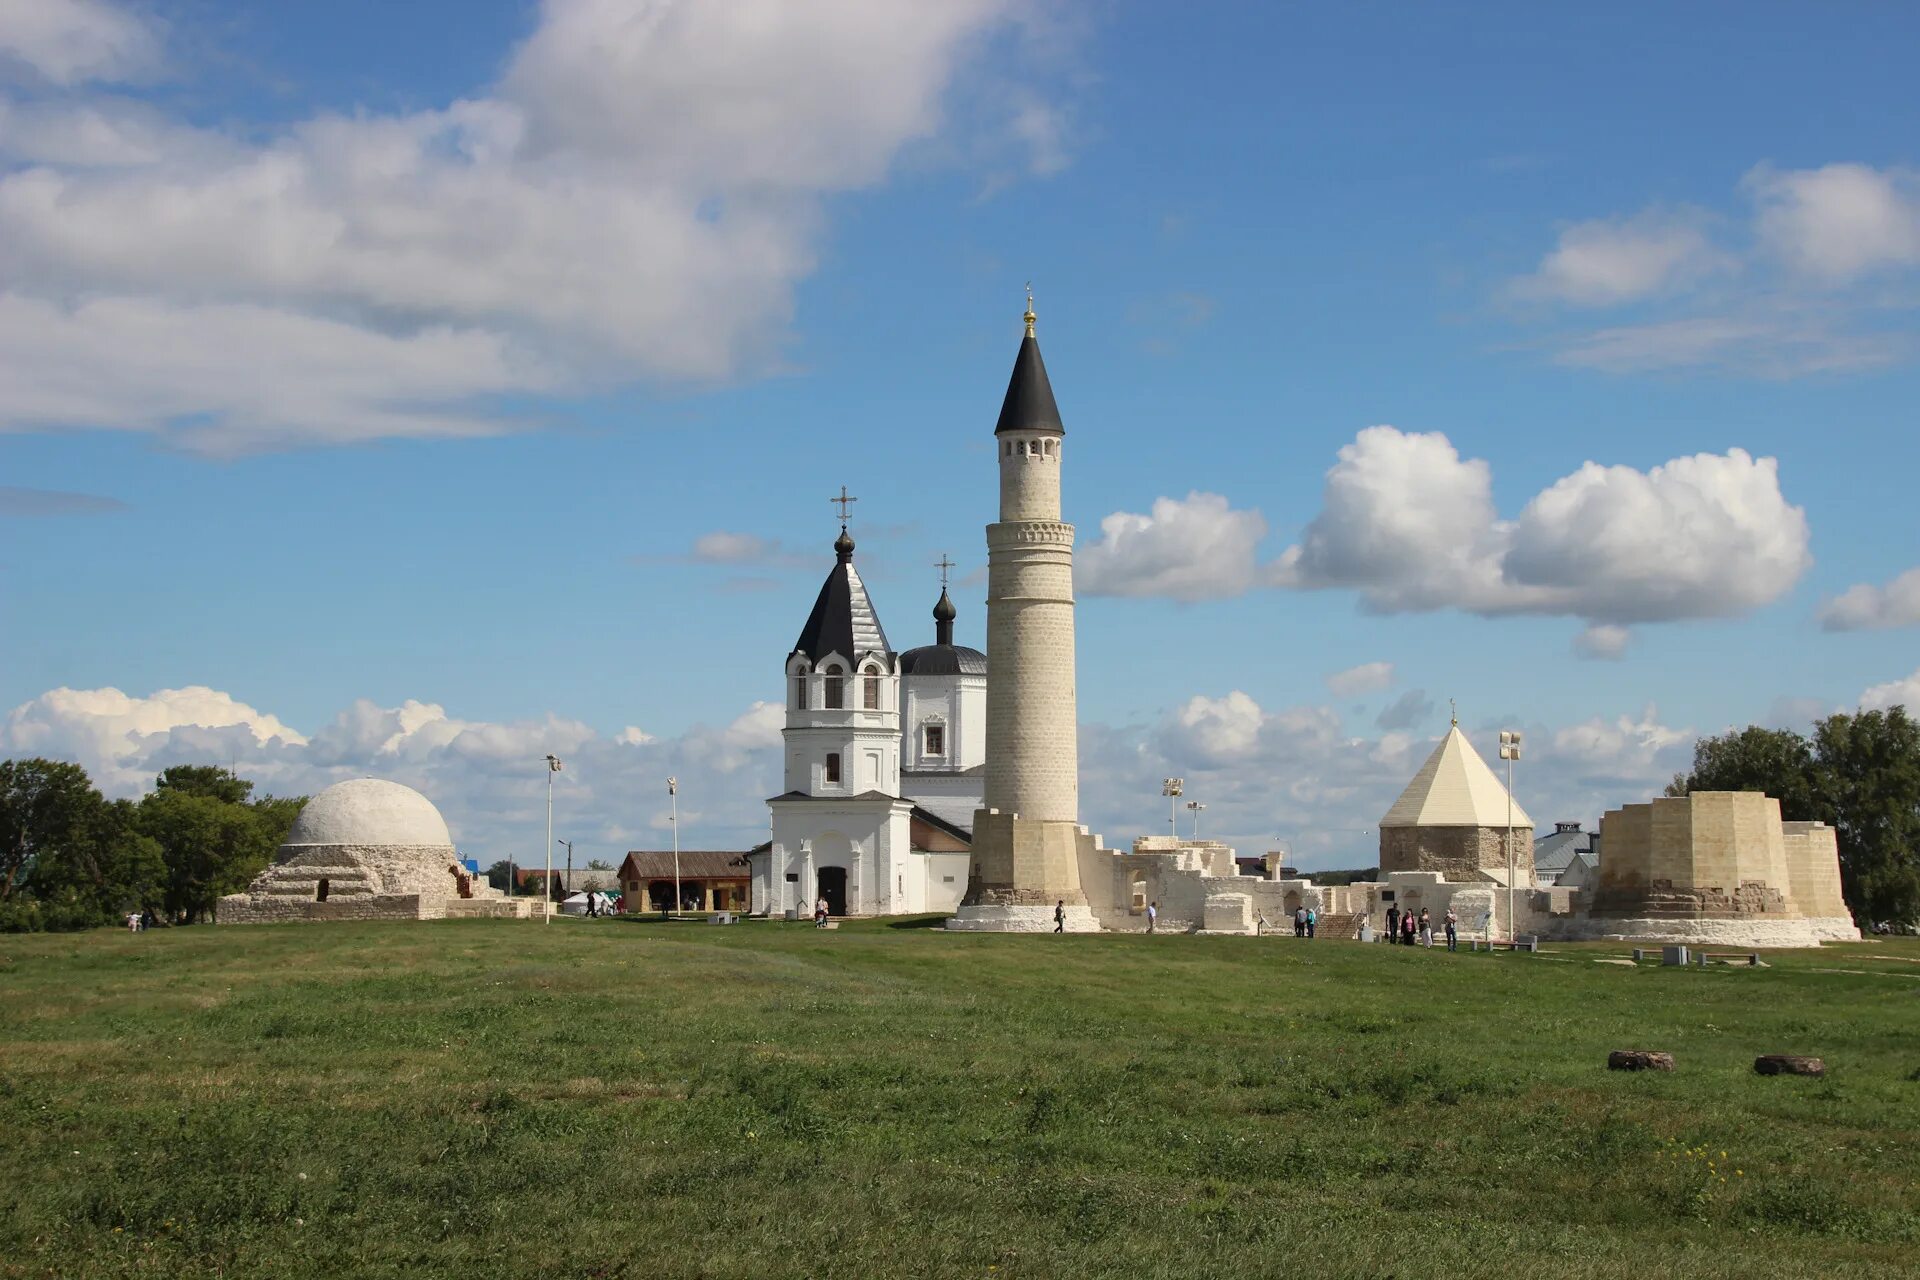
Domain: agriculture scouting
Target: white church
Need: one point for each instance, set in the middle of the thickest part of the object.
(884, 762)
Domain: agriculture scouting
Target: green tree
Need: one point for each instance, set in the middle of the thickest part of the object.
(113, 869)
(1776, 761)
(48, 810)
(599, 864)
(211, 846)
(209, 780)
(500, 875)
(1868, 773)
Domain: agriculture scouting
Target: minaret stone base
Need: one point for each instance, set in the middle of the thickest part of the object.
(1023, 869)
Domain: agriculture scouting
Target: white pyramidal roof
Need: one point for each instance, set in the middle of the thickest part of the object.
(1454, 788)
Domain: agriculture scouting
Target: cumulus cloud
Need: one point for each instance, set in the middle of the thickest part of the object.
(1295, 779)
(341, 278)
(1839, 221)
(1608, 261)
(67, 42)
(488, 778)
(1412, 526)
(1368, 677)
(1865, 607)
(1196, 548)
(116, 735)
(1602, 641)
(1894, 693)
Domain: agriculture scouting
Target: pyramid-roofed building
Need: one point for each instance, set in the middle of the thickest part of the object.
(1453, 819)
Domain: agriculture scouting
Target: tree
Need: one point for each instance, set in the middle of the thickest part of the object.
(1776, 761)
(1868, 773)
(48, 809)
(599, 864)
(208, 780)
(500, 875)
(211, 846)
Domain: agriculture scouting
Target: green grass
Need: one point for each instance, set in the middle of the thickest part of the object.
(503, 1098)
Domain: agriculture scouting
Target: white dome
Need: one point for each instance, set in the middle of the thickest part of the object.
(369, 811)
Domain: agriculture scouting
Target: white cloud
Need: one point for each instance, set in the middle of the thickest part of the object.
(1752, 344)
(1218, 730)
(117, 736)
(488, 778)
(1609, 261)
(1412, 525)
(633, 168)
(1602, 641)
(1903, 693)
(1368, 677)
(70, 41)
(1839, 221)
(1865, 607)
(1197, 548)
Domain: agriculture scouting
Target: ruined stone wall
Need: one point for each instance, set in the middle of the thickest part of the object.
(1813, 866)
(1709, 855)
(1458, 853)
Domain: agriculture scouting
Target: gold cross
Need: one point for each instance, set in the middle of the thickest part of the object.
(844, 502)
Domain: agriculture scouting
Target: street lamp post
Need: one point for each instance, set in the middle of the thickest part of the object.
(1510, 751)
(1172, 789)
(673, 799)
(553, 767)
(1194, 807)
(567, 884)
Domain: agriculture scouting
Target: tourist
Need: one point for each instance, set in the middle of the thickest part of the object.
(1426, 929)
(1299, 922)
(1060, 916)
(820, 914)
(1453, 930)
(1407, 925)
(1153, 915)
(1393, 925)
(1313, 918)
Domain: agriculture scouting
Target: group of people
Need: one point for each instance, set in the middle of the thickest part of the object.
(1408, 930)
(1305, 921)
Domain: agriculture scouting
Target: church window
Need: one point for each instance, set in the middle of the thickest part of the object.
(936, 740)
(800, 693)
(833, 768)
(873, 691)
(836, 688)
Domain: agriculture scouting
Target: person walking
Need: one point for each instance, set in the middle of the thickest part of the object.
(820, 914)
(1407, 926)
(1313, 918)
(1393, 924)
(1060, 916)
(1426, 929)
(1153, 915)
(1299, 922)
(1453, 930)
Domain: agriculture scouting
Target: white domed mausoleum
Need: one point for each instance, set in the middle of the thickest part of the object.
(366, 849)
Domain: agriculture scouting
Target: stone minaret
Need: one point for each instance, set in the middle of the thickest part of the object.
(1027, 838)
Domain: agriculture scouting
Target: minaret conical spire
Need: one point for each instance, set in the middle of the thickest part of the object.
(1029, 405)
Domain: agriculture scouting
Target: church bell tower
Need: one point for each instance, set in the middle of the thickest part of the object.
(1027, 839)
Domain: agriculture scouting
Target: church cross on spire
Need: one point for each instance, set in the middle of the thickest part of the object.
(1029, 317)
(945, 566)
(843, 502)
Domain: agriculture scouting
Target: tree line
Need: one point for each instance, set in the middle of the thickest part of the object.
(1859, 773)
(72, 859)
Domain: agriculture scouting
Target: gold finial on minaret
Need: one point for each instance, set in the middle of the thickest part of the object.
(1029, 316)
(1453, 712)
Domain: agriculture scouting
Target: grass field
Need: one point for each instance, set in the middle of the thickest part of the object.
(611, 1098)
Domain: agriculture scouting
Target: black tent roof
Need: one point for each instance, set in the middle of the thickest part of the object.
(1029, 404)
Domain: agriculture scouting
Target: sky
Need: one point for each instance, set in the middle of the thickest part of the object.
(416, 390)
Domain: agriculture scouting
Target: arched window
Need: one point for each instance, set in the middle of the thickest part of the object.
(872, 698)
(800, 691)
(835, 687)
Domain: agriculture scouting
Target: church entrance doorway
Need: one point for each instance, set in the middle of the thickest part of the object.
(833, 887)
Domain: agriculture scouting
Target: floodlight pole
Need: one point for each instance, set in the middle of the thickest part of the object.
(673, 798)
(553, 767)
(1194, 807)
(568, 886)
(1171, 788)
(1510, 751)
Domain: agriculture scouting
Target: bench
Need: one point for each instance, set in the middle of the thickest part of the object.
(1504, 944)
(1749, 958)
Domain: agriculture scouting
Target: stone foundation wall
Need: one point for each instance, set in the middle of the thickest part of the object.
(1813, 866)
(269, 909)
(1709, 855)
(1024, 862)
(1458, 853)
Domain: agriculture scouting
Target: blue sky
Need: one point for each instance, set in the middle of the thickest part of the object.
(356, 357)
